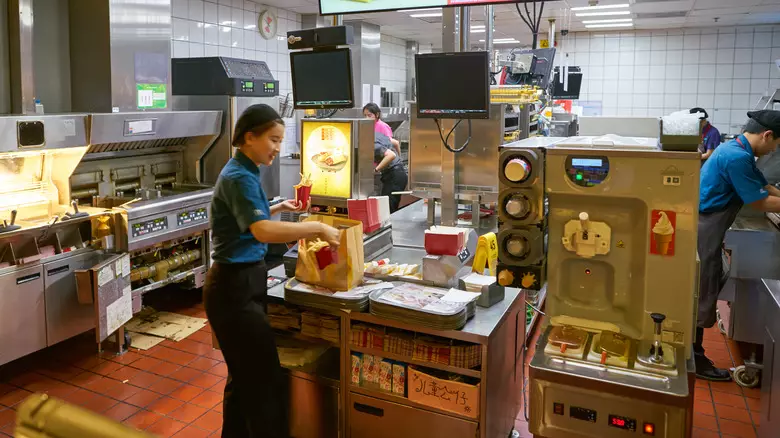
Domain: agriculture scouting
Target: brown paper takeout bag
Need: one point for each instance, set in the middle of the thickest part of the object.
(344, 275)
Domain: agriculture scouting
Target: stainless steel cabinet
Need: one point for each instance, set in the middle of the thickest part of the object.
(372, 417)
(65, 317)
(770, 376)
(22, 313)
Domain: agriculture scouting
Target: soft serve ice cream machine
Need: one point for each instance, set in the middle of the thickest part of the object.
(615, 356)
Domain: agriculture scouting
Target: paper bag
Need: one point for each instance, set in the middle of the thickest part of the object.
(347, 271)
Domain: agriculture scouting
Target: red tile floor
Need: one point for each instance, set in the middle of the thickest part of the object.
(175, 388)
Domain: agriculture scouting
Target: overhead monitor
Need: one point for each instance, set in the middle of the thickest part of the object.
(340, 7)
(322, 79)
(453, 85)
(573, 86)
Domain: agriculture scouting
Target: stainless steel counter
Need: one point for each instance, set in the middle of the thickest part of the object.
(770, 381)
(410, 223)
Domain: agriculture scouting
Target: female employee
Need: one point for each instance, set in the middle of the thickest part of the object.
(391, 167)
(235, 287)
(372, 111)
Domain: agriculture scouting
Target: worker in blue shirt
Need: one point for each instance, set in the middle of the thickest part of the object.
(729, 179)
(710, 136)
(235, 287)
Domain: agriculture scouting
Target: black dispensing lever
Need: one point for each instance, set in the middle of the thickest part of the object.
(656, 351)
(76, 213)
(6, 227)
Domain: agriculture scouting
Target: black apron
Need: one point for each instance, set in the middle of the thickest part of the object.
(711, 232)
(256, 395)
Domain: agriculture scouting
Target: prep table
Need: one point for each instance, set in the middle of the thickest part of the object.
(318, 391)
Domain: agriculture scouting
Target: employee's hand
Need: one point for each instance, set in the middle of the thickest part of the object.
(292, 205)
(330, 235)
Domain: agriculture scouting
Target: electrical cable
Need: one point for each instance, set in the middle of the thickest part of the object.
(446, 140)
(328, 115)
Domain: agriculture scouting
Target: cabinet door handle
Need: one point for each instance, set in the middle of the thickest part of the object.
(370, 410)
(28, 278)
(59, 270)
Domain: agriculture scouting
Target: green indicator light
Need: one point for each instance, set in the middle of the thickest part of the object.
(579, 177)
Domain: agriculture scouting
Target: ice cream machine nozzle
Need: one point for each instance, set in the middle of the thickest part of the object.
(587, 238)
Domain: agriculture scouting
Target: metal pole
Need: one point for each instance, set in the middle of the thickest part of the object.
(338, 20)
(452, 41)
(465, 29)
(20, 30)
(552, 32)
(489, 24)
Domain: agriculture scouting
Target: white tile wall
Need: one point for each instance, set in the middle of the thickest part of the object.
(652, 74)
(229, 28)
(392, 65)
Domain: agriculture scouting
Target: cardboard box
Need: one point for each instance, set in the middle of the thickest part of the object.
(457, 397)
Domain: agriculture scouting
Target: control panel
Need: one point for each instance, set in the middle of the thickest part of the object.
(612, 421)
(522, 217)
(165, 225)
(587, 171)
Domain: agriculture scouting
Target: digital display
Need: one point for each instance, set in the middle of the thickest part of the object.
(247, 86)
(583, 414)
(326, 157)
(586, 162)
(148, 227)
(587, 171)
(188, 217)
(622, 423)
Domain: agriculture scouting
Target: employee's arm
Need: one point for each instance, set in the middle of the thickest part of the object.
(267, 231)
(707, 154)
(388, 158)
(396, 145)
(773, 191)
(770, 204)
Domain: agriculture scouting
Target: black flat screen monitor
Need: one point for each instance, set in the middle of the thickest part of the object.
(322, 79)
(453, 85)
(339, 7)
(574, 85)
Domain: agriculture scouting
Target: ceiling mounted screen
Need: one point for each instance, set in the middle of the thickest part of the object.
(341, 7)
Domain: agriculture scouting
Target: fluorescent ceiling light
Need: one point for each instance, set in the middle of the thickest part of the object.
(506, 42)
(596, 8)
(477, 26)
(614, 20)
(592, 26)
(502, 40)
(602, 14)
(477, 30)
(431, 14)
(422, 10)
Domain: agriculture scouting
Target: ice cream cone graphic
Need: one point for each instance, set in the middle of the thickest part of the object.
(663, 232)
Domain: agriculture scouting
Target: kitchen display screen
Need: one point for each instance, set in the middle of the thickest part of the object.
(322, 79)
(332, 7)
(453, 85)
(587, 171)
(148, 227)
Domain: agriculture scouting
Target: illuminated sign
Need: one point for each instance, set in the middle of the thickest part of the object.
(326, 156)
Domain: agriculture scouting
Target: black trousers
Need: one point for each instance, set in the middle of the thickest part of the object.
(394, 180)
(255, 403)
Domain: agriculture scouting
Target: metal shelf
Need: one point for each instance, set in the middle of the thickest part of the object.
(529, 327)
(387, 355)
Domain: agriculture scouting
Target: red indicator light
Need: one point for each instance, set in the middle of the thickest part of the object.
(587, 272)
(649, 429)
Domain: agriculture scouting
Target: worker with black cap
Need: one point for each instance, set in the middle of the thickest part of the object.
(235, 288)
(710, 136)
(729, 179)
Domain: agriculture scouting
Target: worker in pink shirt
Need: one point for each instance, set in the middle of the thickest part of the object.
(372, 111)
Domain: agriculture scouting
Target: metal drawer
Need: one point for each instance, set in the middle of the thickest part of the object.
(22, 313)
(375, 418)
(65, 316)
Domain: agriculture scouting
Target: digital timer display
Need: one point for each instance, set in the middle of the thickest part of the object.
(188, 217)
(622, 423)
(152, 226)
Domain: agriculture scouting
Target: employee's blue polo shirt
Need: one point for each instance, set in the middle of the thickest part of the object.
(731, 174)
(239, 201)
